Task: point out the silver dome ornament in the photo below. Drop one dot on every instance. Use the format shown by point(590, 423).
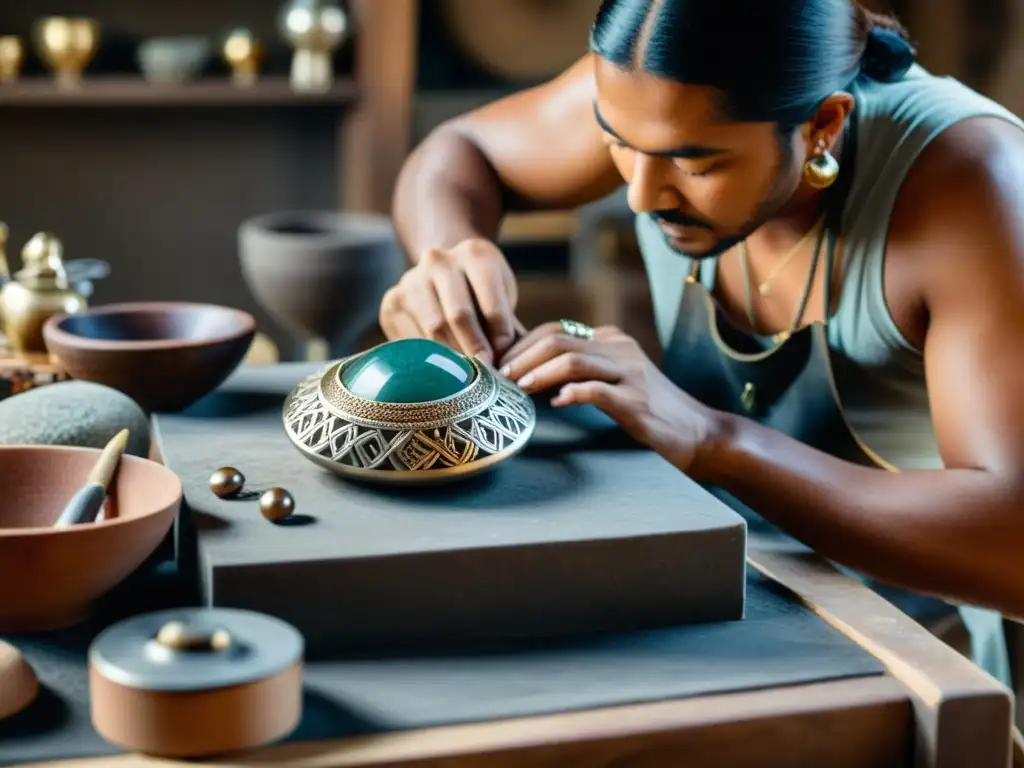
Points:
point(408, 411)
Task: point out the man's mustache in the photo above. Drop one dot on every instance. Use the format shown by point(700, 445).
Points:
point(680, 219)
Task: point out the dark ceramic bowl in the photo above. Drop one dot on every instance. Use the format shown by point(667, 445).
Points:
point(164, 355)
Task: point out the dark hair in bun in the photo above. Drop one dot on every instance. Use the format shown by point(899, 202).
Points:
point(772, 60)
point(887, 53)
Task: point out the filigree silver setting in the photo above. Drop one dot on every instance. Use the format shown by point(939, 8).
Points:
point(418, 443)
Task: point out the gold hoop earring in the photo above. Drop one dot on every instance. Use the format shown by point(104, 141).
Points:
point(821, 170)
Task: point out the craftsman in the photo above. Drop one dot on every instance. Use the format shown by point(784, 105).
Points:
point(834, 245)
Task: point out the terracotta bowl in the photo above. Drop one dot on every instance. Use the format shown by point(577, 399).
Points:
point(164, 355)
point(49, 577)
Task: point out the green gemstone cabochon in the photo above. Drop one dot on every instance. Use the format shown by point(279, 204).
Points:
point(408, 371)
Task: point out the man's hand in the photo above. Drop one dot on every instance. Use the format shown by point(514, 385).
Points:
point(464, 297)
point(611, 372)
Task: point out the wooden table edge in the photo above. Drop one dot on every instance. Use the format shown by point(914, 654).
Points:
point(963, 715)
point(862, 721)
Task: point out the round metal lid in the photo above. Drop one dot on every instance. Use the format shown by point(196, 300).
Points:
point(193, 649)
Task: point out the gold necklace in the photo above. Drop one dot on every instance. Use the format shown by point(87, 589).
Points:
point(764, 288)
point(804, 296)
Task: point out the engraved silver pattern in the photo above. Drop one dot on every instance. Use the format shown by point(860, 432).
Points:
point(397, 442)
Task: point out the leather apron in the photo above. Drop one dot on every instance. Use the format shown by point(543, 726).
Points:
point(790, 386)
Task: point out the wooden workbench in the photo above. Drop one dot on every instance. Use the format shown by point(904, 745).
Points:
point(933, 708)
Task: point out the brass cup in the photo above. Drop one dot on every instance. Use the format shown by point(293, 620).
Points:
point(12, 54)
point(67, 45)
point(243, 52)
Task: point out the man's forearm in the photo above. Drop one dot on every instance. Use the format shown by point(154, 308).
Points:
point(953, 533)
point(447, 192)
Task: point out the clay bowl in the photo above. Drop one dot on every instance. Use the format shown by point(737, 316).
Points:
point(164, 355)
point(321, 274)
point(49, 577)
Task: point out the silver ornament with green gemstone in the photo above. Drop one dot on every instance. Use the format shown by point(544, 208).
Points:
point(408, 411)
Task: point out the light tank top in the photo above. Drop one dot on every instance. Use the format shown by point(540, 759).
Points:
point(884, 394)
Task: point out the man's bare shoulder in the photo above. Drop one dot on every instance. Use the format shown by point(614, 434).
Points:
point(965, 179)
point(956, 225)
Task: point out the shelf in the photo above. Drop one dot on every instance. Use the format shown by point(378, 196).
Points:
point(541, 226)
point(136, 92)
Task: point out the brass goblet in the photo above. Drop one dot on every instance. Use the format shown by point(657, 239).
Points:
point(67, 45)
point(12, 54)
point(243, 52)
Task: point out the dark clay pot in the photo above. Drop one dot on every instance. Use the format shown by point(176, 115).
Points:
point(321, 274)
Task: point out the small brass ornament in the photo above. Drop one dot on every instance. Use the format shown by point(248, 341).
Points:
point(227, 482)
point(243, 52)
point(276, 504)
point(12, 56)
point(37, 292)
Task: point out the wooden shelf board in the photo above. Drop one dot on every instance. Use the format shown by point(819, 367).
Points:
point(137, 92)
point(538, 226)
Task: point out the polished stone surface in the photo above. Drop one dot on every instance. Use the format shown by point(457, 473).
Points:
point(408, 371)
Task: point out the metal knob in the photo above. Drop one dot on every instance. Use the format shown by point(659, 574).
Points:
point(176, 636)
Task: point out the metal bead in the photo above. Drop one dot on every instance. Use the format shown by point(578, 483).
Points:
point(175, 636)
point(276, 504)
point(227, 482)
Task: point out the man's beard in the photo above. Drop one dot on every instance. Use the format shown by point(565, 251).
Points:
point(765, 211)
point(780, 192)
point(721, 244)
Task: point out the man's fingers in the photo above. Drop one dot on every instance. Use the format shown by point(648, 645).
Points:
point(529, 340)
point(460, 315)
point(492, 303)
point(395, 322)
point(422, 304)
point(570, 367)
point(610, 398)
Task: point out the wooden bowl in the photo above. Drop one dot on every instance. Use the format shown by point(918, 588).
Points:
point(164, 355)
point(49, 577)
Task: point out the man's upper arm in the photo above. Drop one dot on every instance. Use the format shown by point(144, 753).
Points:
point(544, 143)
point(971, 262)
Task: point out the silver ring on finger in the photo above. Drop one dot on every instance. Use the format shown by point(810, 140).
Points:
point(577, 330)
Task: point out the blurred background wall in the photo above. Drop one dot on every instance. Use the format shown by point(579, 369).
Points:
point(156, 179)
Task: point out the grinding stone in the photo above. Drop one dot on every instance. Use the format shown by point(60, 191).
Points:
point(73, 413)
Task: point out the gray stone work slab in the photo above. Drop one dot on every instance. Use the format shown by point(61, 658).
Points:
point(581, 533)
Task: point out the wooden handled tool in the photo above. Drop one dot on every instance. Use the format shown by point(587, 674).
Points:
point(87, 503)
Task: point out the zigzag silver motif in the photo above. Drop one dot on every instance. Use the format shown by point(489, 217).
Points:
point(495, 418)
